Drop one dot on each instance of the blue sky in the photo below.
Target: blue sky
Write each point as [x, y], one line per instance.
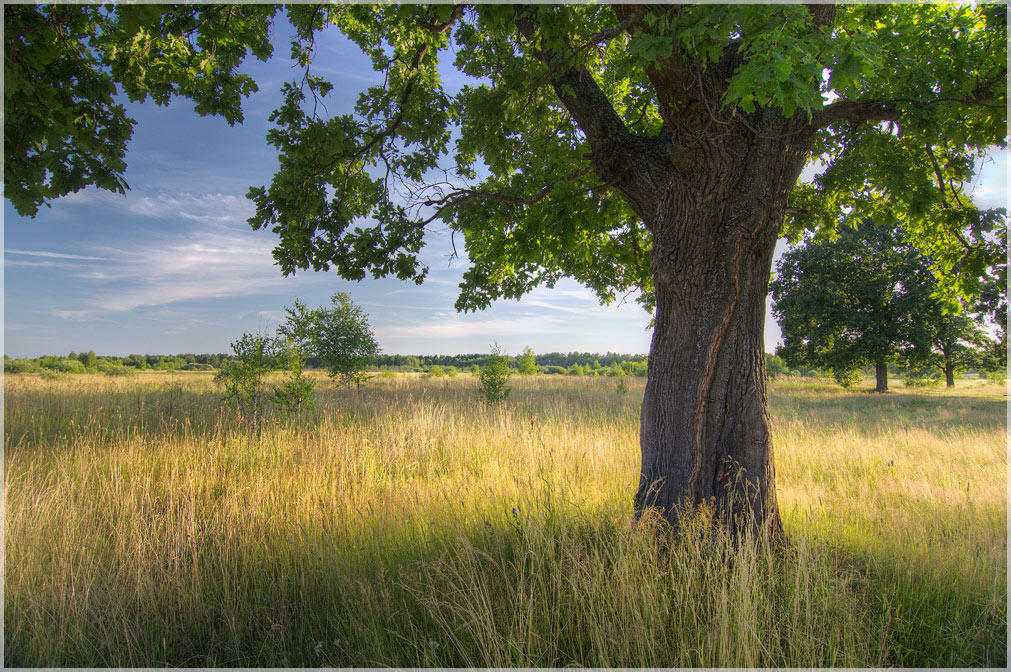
[172, 266]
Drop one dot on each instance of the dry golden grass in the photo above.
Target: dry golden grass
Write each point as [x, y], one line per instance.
[409, 524]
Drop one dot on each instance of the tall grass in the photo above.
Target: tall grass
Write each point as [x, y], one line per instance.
[408, 524]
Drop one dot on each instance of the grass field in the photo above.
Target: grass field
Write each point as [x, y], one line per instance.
[407, 524]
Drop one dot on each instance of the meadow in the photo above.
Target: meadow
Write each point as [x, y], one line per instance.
[409, 524]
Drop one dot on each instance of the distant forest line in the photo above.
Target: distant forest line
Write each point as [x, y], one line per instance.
[570, 363]
[82, 362]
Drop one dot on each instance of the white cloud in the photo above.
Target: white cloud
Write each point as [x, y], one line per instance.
[201, 264]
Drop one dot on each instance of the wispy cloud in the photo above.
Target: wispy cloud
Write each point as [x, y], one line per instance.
[448, 328]
[54, 255]
[215, 259]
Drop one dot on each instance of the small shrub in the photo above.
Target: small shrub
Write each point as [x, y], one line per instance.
[494, 375]
[115, 369]
[996, 377]
[922, 380]
[435, 371]
[622, 386]
[67, 365]
[846, 377]
[22, 366]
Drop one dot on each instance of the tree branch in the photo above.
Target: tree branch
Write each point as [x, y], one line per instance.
[578, 91]
[460, 196]
[855, 110]
[881, 110]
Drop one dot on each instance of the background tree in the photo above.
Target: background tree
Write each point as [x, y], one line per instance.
[868, 298]
[339, 336]
[526, 363]
[845, 303]
[951, 342]
[651, 147]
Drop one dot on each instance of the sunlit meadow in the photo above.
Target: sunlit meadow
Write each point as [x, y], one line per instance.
[409, 524]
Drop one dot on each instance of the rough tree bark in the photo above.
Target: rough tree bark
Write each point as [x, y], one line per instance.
[880, 377]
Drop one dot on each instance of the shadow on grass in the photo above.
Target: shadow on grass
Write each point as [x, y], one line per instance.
[871, 412]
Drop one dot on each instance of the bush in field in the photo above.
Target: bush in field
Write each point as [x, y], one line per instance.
[22, 366]
[114, 369]
[243, 375]
[296, 393]
[494, 375]
[846, 377]
[451, 371]
[998, 377]
[67, 365]
[636, 368]
[553, 370]
[475, 369]
[622, 386]
[775, 366]
[435, 371]
[922, 380]
[576, 370]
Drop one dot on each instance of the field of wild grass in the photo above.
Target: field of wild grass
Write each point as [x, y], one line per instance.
[407, 524]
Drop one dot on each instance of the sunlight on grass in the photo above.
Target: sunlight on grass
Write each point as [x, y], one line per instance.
[408, 524]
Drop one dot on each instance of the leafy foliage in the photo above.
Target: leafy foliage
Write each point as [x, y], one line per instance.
[526, 363]
[296, 393]
[866, 297]
[914, 94]
[338, 336]
[493, 376]
[64, 65]
[243, 375]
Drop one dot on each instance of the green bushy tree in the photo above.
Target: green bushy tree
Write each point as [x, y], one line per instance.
[339, 336]
[243, 374]
[296, 393]
[494, 377]
[526, 363]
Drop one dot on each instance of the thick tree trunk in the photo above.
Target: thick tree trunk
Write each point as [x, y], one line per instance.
[949, 374]
[704, 432]
[881, 377]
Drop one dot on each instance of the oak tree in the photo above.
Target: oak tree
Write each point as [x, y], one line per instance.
[868, 298]
[647, 147]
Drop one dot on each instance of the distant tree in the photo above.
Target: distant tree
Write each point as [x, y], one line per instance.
[89, 359]
[948, 341]
[849, 302]
[494, 375]
[339, 336]
[526, 363]
[576, 370]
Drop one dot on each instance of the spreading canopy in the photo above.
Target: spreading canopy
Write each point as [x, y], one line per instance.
[530, 160]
